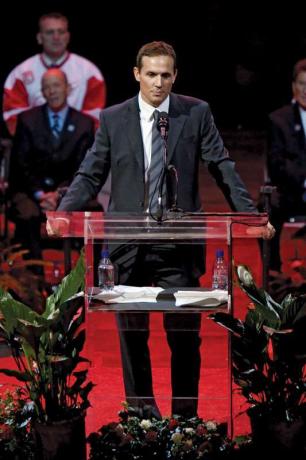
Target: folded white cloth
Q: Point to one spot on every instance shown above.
(201, 298)
(129, 294)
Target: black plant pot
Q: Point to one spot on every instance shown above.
(273, 434)
(61, 440)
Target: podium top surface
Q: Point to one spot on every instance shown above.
(177, 226)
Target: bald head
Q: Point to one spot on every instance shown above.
(55, 88)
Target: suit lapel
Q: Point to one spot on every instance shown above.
(298, 130)
(68, 127)
(132, 127)
(176, 123)
(49, 138)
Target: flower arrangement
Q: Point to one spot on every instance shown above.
(16, 440)
(170, 438)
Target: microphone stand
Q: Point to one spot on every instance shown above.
(174, 211)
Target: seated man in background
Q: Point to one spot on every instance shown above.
(50, 143)
(22, 88)
(287, 160)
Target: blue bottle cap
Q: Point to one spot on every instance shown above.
(104, 253)
(219, 253)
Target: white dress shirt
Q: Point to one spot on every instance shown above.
(146, 123)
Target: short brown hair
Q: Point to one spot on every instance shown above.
(155, 49)
(54, 15)
(299, 67)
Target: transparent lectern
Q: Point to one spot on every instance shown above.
(201, 234)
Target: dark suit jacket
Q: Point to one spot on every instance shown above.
(287, 155)
(37, 154)
(118, 147)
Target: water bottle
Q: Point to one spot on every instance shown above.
(105, 272)
(220, 272)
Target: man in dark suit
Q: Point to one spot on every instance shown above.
(287, 160)
(50, 143)
(126, 144)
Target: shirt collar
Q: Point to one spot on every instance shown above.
(61, 113)
(57, 63)
(147, 110)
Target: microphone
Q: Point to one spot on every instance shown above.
(163, 125)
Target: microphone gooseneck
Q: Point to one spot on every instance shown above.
(163, 128)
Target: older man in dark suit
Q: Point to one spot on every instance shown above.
(127, 144)
(287, 160)
(50, 143)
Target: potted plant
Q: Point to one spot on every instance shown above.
(46, 348)
(269, 365)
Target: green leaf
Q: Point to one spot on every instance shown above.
(22, 376)
(268, 308)
(71, 284)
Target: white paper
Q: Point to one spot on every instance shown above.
(209, 298)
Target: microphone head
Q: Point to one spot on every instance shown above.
(163, 122)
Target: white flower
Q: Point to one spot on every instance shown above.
(145, 424)
(177, 438)
(189, 431)
(211, 426)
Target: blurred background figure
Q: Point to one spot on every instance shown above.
(49, 145)
(287, 161)
(22, 88)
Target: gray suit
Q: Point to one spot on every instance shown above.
(119, 147)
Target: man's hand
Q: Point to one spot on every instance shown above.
(57, 226)
(48, 201)
(268, 232)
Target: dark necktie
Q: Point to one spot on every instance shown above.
(156, 168)
(55, 126)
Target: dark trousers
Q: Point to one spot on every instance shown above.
(161, 266)
(27, 216)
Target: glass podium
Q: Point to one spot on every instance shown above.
(172, 321)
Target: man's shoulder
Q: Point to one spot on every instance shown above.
(82, 117)
(283, 113)
(28, 63)
(82, 63)
(194, 107)
(32, 113)
(122, 107)
(26, 68)
(189, 100)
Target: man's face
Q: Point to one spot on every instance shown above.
(299, 89)
(156, 77)
(54, 37)
(55, 89)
